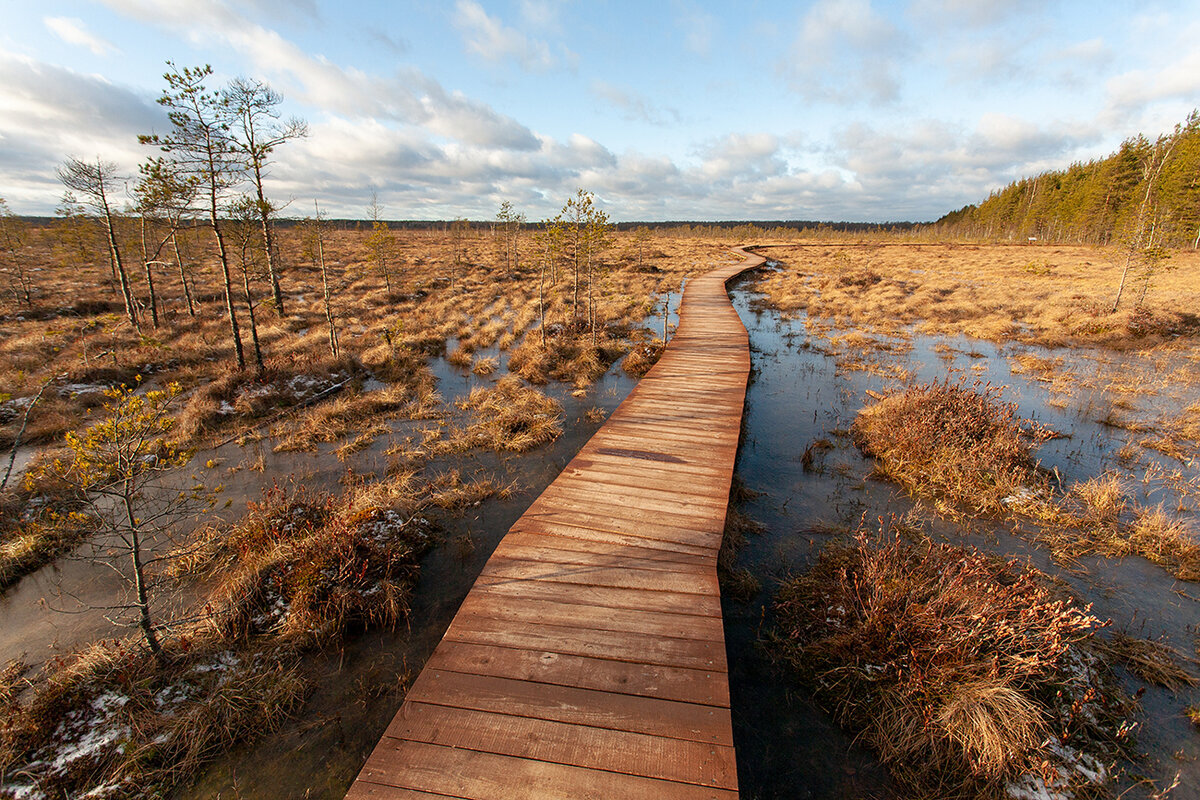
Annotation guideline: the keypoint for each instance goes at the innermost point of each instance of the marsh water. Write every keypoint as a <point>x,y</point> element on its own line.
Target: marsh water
<point>798,395</point>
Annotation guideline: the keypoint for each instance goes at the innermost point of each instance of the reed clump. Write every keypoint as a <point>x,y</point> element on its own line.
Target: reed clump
<point>508,416</point>
<point>112,721</point>
<point>1098,517</point>
<point>964,450</point>
<point>642,357</point>
<point>952,443</point>
<point>308,566</point>
<point>965,672</point>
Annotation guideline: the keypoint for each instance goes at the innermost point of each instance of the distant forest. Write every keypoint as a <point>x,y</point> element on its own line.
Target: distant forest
<point>1146,194</point>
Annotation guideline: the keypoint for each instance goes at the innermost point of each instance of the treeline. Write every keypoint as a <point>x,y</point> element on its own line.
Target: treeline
<point>1147,194</point>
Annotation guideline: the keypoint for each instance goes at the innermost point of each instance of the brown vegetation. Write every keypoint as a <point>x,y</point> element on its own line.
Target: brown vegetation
<point>1043,294</point>
<point>957,667</point>
<point>954,444</point>
<point>961,448</point>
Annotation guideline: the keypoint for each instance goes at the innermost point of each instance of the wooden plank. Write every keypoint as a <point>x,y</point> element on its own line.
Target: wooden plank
<point>630,549</point>
<point>699,687</point>
<point>618,712</point>
<point>564,743</point>
<point>552,612</point>
<point>605,596</point>
<point>588,660</point>
<point>700,583</point>
<point>457,772</point>
<point>615,556</point>
<point>614,645</point>
<point>582,533</point>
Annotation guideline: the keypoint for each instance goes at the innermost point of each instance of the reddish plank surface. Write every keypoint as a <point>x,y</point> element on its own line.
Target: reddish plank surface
<point>588,660</point>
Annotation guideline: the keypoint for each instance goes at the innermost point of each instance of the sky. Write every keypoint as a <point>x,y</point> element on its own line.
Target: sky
<point>844,110</point>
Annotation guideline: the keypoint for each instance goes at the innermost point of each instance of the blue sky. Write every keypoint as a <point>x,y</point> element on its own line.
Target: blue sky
<point>834,109</point>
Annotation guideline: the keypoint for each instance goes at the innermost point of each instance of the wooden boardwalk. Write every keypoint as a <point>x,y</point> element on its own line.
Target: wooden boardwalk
<point>588,660</point>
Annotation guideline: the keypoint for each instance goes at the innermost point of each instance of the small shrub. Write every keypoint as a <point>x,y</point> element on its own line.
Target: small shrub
<point>954,444</point>
<point>955,666</point>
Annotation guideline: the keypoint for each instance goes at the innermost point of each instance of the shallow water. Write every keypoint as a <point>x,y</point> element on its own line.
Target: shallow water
<point>788,748</point>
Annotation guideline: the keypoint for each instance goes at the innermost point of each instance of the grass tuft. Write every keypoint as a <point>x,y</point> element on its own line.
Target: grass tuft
<point>955,666</point>
<point>952,443</point>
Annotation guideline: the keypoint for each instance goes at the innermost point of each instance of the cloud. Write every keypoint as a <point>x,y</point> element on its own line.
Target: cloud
<point>408,96</point>
<point>698,28</point>
<point>48,113</point>
<point>928,167</point>
<point>72,31</point>
<point>491,40</point>
<point>741,155</point>
<point>976,13</point>
<point>844,52</point>
<point>633,106</point>
<point>1133,90</point>
<point>542,14</point>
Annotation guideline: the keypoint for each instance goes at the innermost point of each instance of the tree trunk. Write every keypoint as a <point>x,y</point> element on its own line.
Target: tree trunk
<point>268,239</point>
<point>149,276</point>
<point>591,298</point>
<point>575,288</point>
<point>258,359</point>
<point>139,577</point>
<point>114,252</point>
<point>542,299</point>
<point>333,342</point>
<point>229,309</point>
<point>187,292</point>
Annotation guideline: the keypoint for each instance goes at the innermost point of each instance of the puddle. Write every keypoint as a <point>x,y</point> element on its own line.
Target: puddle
<point>786,746</point>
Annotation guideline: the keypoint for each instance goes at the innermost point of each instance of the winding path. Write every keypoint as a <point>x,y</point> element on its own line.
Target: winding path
<point>588,660</point>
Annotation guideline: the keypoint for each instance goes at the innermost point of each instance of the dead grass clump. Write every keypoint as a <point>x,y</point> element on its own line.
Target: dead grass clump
<point>40,519</point>
<point>564,359</point>
<point>1189,422</point>
<point>510,416</point>
<point>641,358</point>
<point>954,444</point>
<point>113,722</point>
<point>1153,661</point>
<point>964,671</point>
<point>307,567</point>
<point>449,491</point>
<point>32,543</point>
<point>1096,516</point>
<point>485,365</point>
<point>460,357</point>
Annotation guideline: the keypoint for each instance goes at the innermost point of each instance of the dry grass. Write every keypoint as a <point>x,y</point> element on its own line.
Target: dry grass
<point>642,357</point>
<point>112,722</point>
<point>1050,295</point>
<point>954,444</point>
<point>1153,661</point>
<point>1097,516</point>
<point>961,448</point>
<point>955,666</point>
<point>507,416</point>
<point>308,567</point>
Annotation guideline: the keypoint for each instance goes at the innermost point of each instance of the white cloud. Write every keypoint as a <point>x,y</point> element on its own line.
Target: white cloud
<point>698,27</point>
<point>846,51</point>
<point>48,113</point>
<point>491,40</point>
<point>72,31</point>
<point>634,107</point>
<point>409,96</point>
<point>1133,90</point>
<point>977,13</point>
